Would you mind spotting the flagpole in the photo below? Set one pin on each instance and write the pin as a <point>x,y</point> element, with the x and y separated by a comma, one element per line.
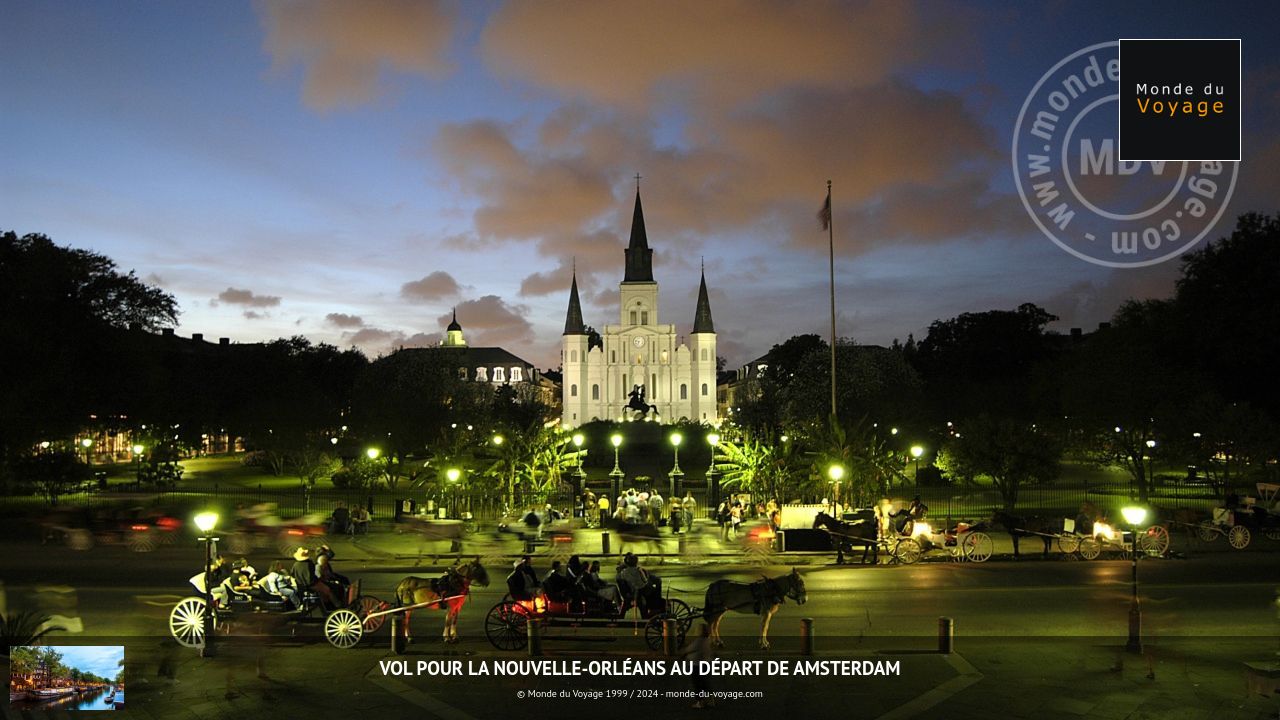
<point>831,257</point>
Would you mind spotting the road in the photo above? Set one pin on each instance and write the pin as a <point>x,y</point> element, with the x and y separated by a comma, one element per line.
<point>116,592</point>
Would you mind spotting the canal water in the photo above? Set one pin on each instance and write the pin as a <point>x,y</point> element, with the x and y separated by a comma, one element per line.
<point>96,700</point>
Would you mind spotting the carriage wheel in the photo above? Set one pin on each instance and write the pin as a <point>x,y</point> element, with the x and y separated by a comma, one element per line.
<point>908,551</point>
<point>1069,544</point>
<point>288,544</point>
<point>681,611</point>
<point>141,541</point>
<point>366,604</point>
<point>1090,548</point>
<point>1272,533</point>
<point>505,626</point>
<point>1155,541</point>
<point>653,630</point>
<point>343,628</point>
<point>186,622</point>
<point>1207,532</point>
<point>1239,537</point>
<point>978,547</point>
<point>240,543</point>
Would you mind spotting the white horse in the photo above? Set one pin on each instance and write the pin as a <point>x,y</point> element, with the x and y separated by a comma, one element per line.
<point>762,597</point>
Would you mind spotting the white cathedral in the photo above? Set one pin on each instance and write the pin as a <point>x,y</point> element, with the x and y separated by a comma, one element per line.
<point>640,359</point>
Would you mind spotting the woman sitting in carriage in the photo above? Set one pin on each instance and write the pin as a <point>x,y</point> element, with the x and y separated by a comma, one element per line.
<point>638,586</point>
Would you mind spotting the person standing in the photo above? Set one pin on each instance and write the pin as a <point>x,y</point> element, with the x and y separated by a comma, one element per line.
<point>603,506</point>
<point>657,506</point>
<point>690,509</point>
<point>676,512</point>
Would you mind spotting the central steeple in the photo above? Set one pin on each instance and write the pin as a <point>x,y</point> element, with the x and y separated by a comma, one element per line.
<point>639,255</point>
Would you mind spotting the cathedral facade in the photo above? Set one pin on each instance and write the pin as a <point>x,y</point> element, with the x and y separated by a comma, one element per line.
<point>639,361</point>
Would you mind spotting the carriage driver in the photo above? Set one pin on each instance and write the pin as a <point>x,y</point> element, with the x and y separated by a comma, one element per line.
<point>638,585</point>
<point>523,583</point>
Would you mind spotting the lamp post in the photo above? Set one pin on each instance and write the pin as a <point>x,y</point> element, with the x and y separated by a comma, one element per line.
<point>1151,462</point>
<point>578,474</point>
<point>713,486</point>
<point>138,449</point>
<point>87,443</point>
<point>676,475</point>
<point>1135,516</point>
<point>836,473</point>
<point>453,474</point>
<point>206,522</point>
<point>916,452</point>
<point>615,475</point>
<point>372,453</point>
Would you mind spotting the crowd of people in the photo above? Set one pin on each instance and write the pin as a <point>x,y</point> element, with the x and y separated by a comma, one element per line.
<point>578,581</point>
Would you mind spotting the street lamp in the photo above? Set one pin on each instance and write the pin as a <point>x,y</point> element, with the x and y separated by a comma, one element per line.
<point>453,474</point>
<point>714,441</point>
<point>1151,462</point>
<point>836,473</point>
<point>497,439</point>
<point>676,474</point>
<point>578,474</point>
<point>86,444</point>
<point>137,463</point>
<point>916,452</point>
<point>1135,516</point>
<point>206,522</point>
<point>615,475</point>
<point>372,453</point>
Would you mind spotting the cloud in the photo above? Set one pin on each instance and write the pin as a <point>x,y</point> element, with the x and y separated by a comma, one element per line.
<point>232,296</point>
<point>490,320</point>
<point>435,286</point>
<point>343,320</point>
<point>252,315</point>
<point>722,52</point>
<point>380,341</point>
<point>344,47</point>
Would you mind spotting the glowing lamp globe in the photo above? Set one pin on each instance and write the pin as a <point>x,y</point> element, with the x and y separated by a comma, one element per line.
<point>835,472</point>
<point>206,521</point>
<point>916,451</point>
<point>713,439</point>
<point>578,439</point>
<point>373,453</point>
<point>453,474</point>
<point>1134,515</point>
<point>676,439</point>
<point>616,440</point>
<point>137,449</point>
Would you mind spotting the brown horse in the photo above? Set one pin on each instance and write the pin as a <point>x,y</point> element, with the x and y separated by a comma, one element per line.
<point>443,593</point>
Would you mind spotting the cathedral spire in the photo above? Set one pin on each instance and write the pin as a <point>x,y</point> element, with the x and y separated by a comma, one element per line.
<point>639,256</point>
<point>702,318</point>
<point>573,324</point>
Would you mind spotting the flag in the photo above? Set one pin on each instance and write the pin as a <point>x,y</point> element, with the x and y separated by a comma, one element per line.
<point>824,215</point>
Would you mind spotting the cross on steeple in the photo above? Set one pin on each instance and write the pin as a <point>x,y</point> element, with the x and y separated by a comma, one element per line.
<point>637,182</point>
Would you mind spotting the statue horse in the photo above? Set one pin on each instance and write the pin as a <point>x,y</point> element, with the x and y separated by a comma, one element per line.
<point>762,597</point>
<point>447,593</point>
<point>1031,526</point>
<point>637,404</point>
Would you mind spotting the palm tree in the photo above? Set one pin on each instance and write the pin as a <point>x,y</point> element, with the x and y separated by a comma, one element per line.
<point>23,628</point>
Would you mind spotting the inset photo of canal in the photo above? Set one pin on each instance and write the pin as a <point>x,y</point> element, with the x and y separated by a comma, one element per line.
<point>66,677</point>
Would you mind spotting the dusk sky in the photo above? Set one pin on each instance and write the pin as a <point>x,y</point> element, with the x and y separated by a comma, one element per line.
<point>351,171</point>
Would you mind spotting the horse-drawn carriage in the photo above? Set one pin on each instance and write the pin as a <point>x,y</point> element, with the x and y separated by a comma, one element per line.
<point>1238,520</point>
<point>908,540</point>
<point>1087,536</point>
<point>343,627</point>
<point>506,625</point>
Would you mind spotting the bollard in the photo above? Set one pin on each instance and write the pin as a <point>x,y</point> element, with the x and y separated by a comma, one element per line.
<point>533,628</point>
<point>946,635</point>
<point>682,543</point>
<point>806,636</point>
<point>604,543</point>
<point>397,634</point>
<point>781,539</point>
<point>528,547</point>
<point>670,636</point>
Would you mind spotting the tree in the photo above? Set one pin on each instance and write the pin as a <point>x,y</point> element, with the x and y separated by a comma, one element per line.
<point>984,362</point>
<point>52,472</point>
<point>1011,453</point>
<point>60,310</point>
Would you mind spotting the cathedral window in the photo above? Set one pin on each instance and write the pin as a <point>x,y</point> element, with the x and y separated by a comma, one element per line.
<point>624,382</point>
<point>482,374</point>
<point>613,357</point>
<point>499,375</point>
<point>595,392</point>
<point>704,355</point>
<point>573,356</point>
<point>684,391</point>
<point>573,391</point>
<point>633,317</point>
<point>516,375</point>
<point>644,317</point>
<point>654,383</point>
<point>704,389</point>
<point>664,357</point>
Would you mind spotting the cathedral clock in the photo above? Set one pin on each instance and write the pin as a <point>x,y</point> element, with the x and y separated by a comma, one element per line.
<point>638,341</point>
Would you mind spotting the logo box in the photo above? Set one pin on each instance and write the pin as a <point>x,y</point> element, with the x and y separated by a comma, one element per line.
<point>1180,100</point>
